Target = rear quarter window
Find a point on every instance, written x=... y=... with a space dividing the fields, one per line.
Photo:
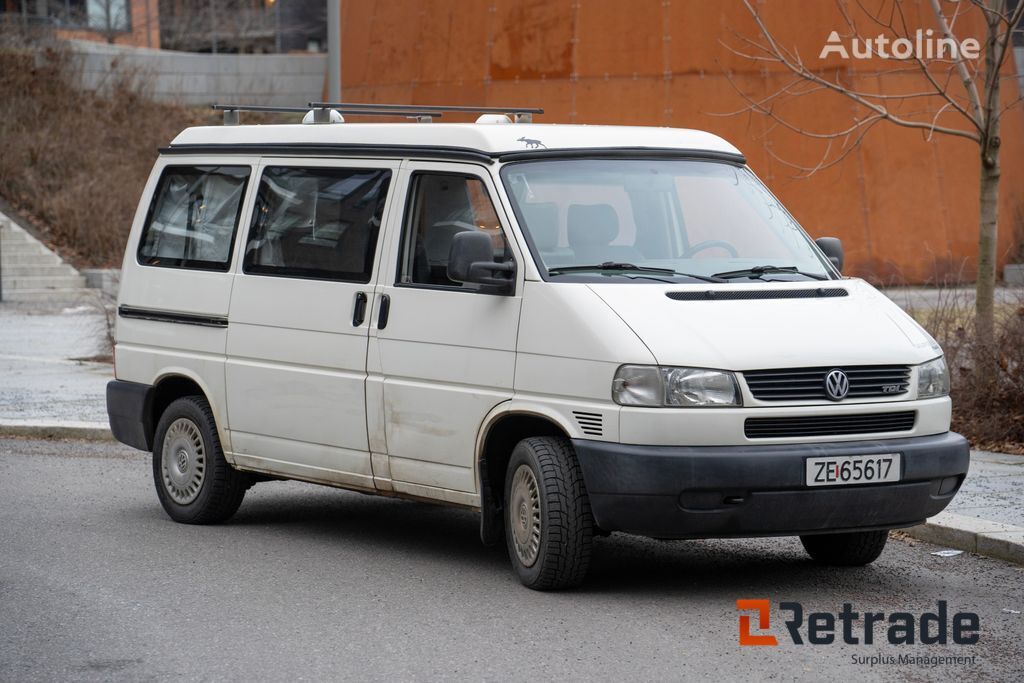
x=193 y=217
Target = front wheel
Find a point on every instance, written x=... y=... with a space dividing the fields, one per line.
x=848 y=550
x=549 y=528
x=194 y=482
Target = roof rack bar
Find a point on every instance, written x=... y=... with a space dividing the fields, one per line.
x=521 y=114
x=321 y=112
x=231 y=111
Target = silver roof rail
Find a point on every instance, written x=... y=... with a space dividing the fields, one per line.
x=322 y=113
x=424 y=111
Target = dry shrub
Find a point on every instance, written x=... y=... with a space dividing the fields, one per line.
x=75 y=162
x=988 y=407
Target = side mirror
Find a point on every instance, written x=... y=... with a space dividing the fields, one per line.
x=833 y=248
x=471 y=260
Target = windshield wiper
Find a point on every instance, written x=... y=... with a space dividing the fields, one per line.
x=617 y=266
x=758 y=271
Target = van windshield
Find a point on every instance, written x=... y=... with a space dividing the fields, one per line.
x=658 y=220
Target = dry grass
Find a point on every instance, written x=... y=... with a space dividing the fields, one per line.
x=988 y=411
x=76 y=162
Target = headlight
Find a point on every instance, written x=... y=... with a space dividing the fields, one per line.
x=654 y=386
x=933 y=378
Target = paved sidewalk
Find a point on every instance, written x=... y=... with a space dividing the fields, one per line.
x=920 y=298
x=46 y=390
x=43 y=377
x=994 y=489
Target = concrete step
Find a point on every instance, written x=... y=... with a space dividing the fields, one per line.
x=15 y=240
x=15 y=237
x=29 y=295
x=15 y=270
x=22 y=248
x=34 y=258
x=30 y=282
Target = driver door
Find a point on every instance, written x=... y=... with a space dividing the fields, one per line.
x=442 y=353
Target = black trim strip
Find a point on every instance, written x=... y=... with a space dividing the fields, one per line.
x=320 y=149
x=460 y=153
x=736 y=294
x=623 y=153
x=170 y=317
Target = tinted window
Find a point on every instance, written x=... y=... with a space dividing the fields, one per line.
x=317 y=223
x=443 y=206
x=192 y=219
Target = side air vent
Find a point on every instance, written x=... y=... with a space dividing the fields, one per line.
x=738 y=294
x=591 y=424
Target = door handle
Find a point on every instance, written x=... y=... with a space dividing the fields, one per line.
x=385 y=309
x=359 y=314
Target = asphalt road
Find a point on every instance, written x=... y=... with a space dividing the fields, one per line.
x=311 y=583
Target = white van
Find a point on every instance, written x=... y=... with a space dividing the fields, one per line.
x=572 y=330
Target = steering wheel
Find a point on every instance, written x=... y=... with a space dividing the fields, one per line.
x=710 y=244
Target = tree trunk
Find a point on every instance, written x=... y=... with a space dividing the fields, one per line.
x=987 y=240
x=988 y=228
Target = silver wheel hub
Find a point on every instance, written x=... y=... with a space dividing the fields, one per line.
x=525 y=516
x=184 y=461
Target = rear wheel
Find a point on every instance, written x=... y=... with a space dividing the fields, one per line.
x=194 y=482
x=851 y=550
x=548 y=524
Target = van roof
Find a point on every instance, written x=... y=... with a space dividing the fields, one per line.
x=482 y=139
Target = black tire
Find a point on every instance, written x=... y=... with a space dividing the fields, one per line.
x=846 y=550
x=563 y=535
x=200 y=487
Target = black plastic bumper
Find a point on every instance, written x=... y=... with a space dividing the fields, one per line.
x=128 y=409
x=723 y=491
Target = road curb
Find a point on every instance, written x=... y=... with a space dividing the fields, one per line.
x=981 y=536
x=88 y=432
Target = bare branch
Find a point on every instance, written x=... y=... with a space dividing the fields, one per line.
x=965 y=78
x=795 y=66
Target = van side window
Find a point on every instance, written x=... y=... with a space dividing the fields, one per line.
x=192 y=220
x=317 y=223
x=441 y=206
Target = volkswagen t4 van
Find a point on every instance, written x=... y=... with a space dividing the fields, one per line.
x=573 y=330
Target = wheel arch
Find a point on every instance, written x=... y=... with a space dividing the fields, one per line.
x=505 y=427
x=172 y=384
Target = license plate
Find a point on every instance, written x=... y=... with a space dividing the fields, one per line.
x=853 y=469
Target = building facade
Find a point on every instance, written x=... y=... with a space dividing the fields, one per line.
x=904 y=203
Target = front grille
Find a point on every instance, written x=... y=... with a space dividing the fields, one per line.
x=828 y=425
x=798 y=384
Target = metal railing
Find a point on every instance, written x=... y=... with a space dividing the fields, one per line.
x=419 y=112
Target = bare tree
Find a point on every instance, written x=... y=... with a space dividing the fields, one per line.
x=109 y=18
x=956 y=93
x=243 y=26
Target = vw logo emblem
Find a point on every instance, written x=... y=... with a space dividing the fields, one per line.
x=837 y=385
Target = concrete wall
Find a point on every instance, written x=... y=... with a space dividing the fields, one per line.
x=199 y=79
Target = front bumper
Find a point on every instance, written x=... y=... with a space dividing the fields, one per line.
x=742 y=491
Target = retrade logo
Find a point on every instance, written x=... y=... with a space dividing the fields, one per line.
x=763 y=622
x=856 y=628
x=837 y=385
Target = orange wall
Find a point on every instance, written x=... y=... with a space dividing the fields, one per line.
x=145 y=27
x=905 y=207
